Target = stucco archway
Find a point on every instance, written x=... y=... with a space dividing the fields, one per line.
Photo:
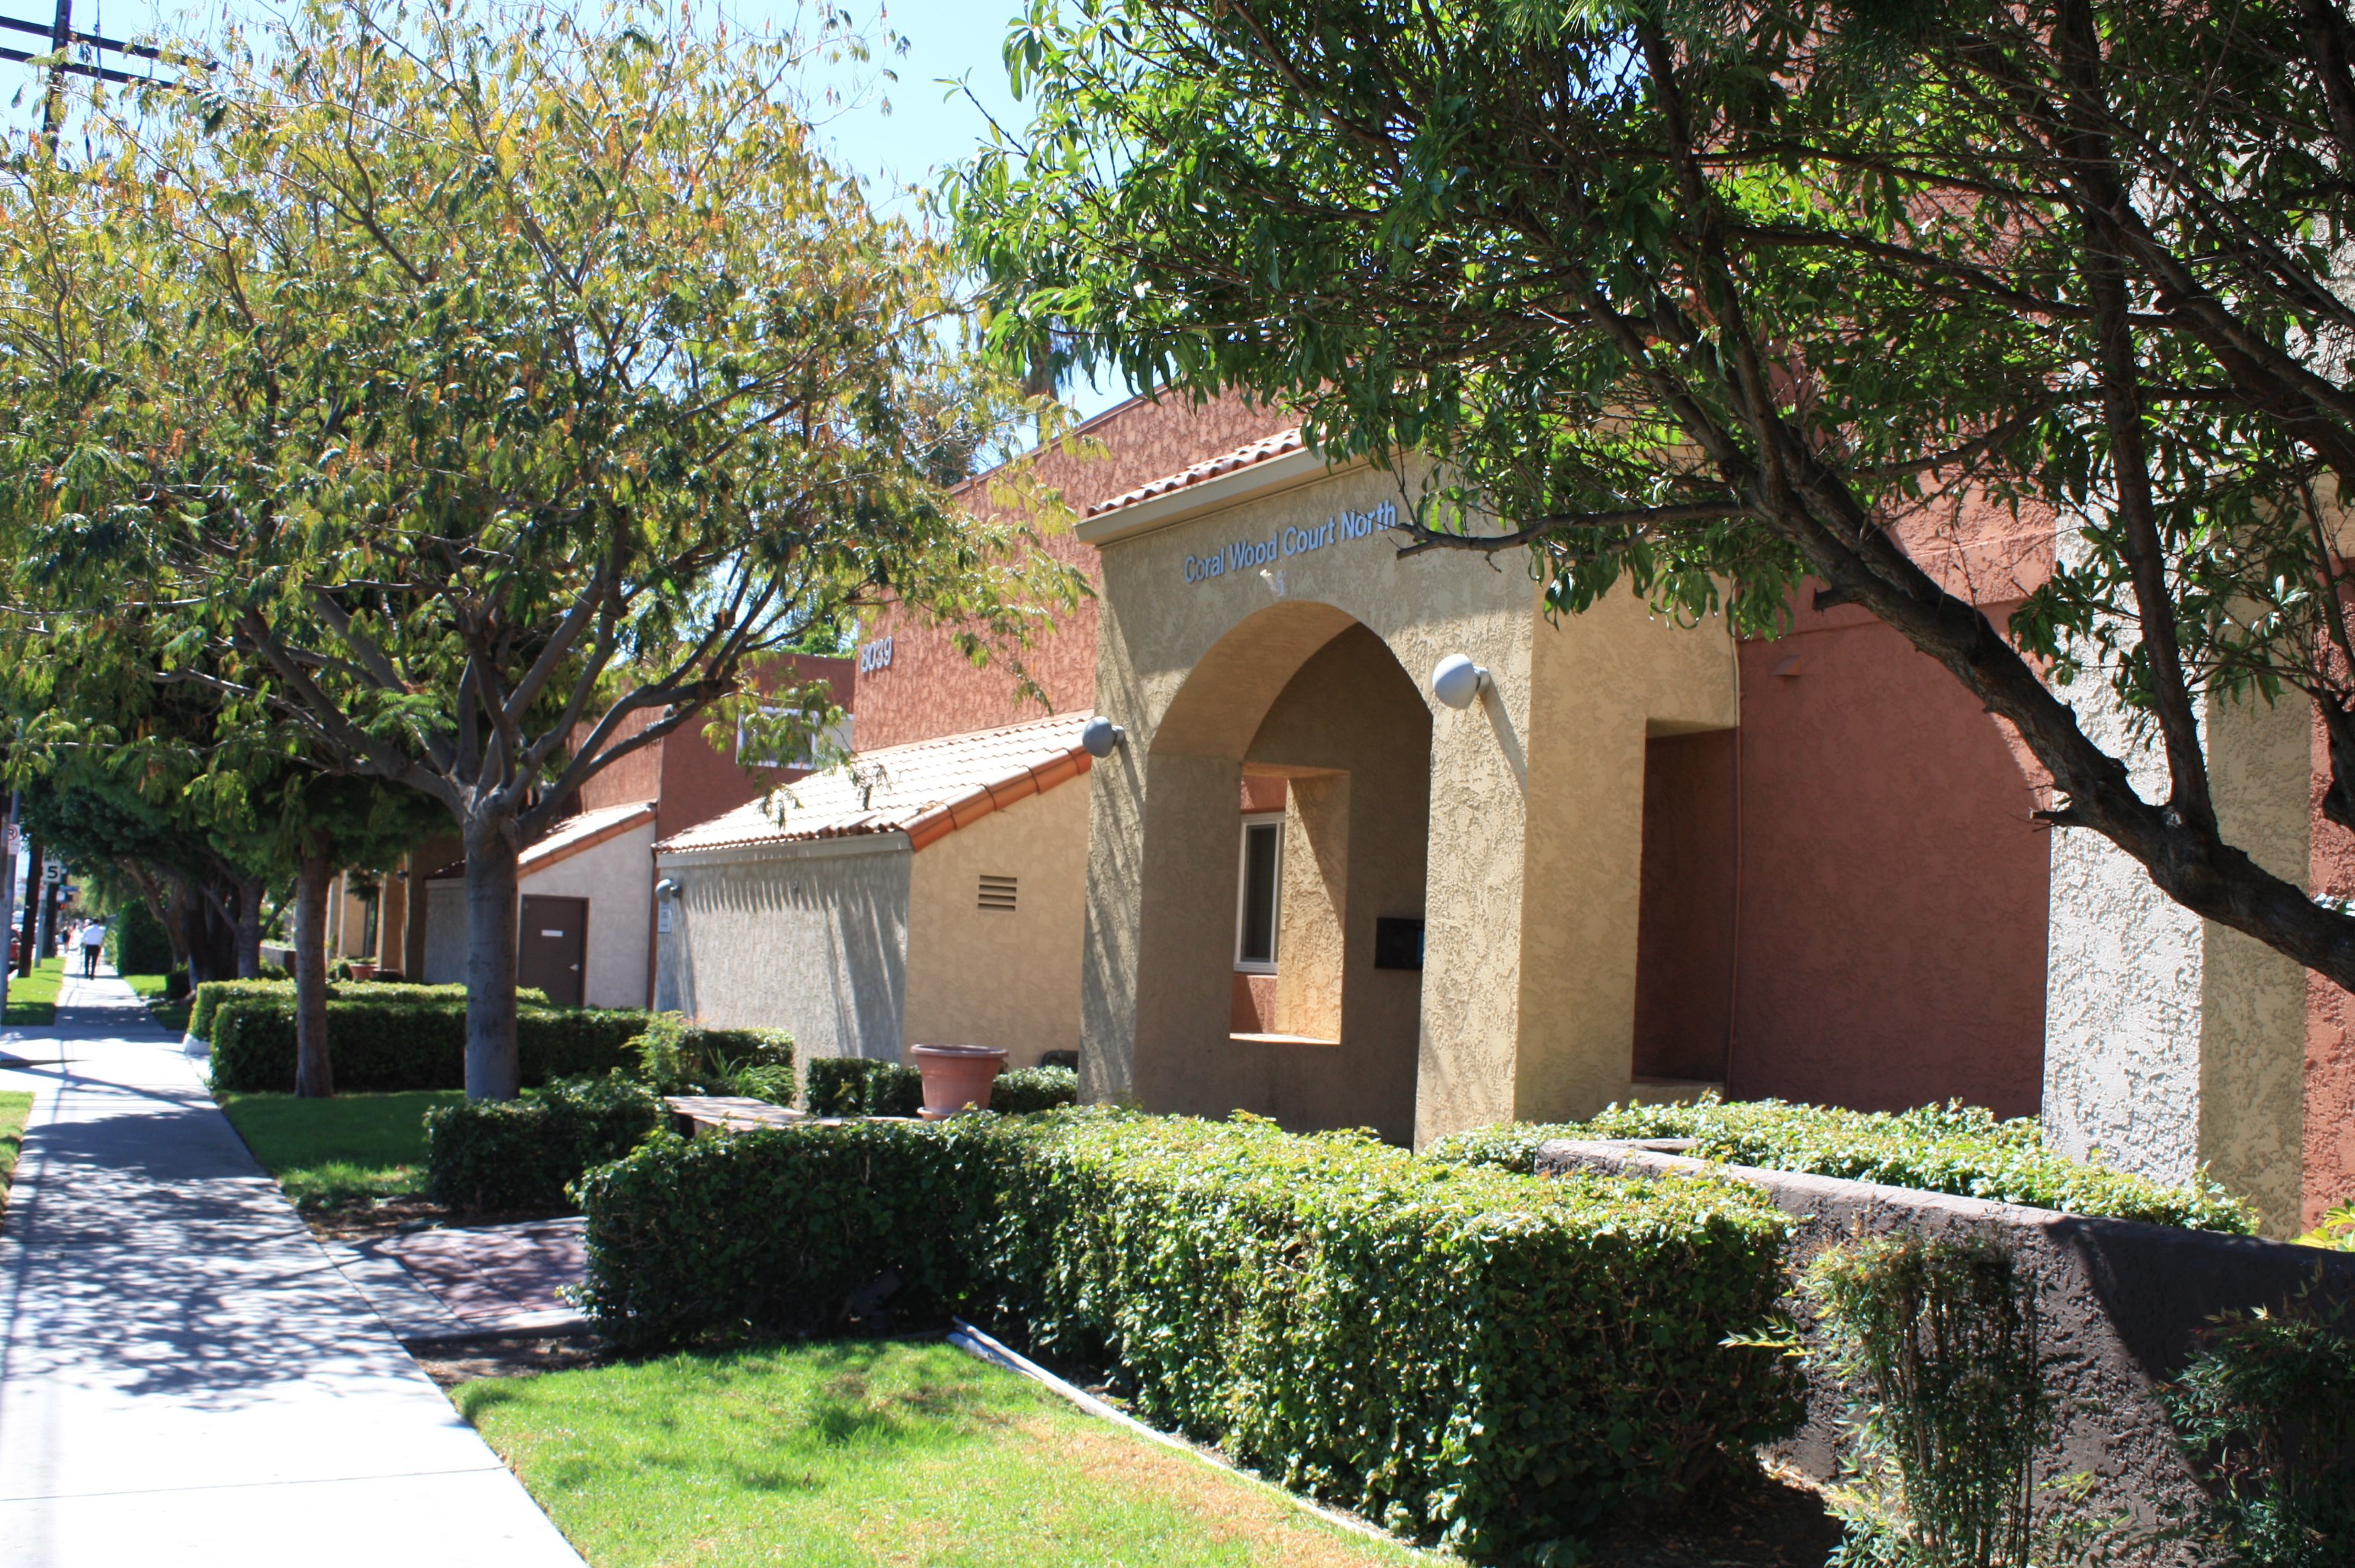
x=1319 y=713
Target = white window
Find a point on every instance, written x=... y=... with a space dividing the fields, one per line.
x=1259 y=893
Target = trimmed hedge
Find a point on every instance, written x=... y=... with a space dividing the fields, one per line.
x=854 y=1086
x=1955 y=1149
x=136 y=943
x=408 y=1044
x=1028 y=1089
x=524 y=1152
x=1470 y=1356
x=213 y=993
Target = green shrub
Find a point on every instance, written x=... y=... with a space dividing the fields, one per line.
x=524 y=1153
x=175 y=985
x=854 y=1086
x=1467 y=1355
x=1959 y=1149
x=212 y=993
x=2268 y=1401
x=136 y=943
x=1028 y=1089
x=1939 y=1345
x=677 y=1057
x=381 y=1041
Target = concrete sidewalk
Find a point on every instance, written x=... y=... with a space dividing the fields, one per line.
x=185 y=1379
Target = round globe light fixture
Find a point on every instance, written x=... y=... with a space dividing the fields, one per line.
x=1457 y=681
x=1100 y=736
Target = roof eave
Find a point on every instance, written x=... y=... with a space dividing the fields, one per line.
x=1284 y=472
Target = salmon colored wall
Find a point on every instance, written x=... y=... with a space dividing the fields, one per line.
x=930 y=688
x=2329 y=1022
x=1893 y=883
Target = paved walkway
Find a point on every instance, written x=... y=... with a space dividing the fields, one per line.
x=184 y=1377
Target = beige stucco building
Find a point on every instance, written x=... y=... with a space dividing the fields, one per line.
x=1259 y=623
x=585 y=914
x=924 y=894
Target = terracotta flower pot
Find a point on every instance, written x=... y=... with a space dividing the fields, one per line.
x=363 y=971
x=956 y=1076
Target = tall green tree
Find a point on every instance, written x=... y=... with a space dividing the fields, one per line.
x=1719 y=299
x=461 y=387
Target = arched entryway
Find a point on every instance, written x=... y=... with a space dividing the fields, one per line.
x=1284 y=860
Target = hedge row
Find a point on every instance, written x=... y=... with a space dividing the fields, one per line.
x=1029 y=1089
x=408 y=1043
x=213 y=993
x=675 y=1056
x=1470 y=1356
x=854 y=1086
x=524 y=1153
x=1955 y=1149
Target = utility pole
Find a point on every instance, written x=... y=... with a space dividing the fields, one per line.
x=59 y=31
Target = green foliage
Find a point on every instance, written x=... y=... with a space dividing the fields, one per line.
x=1955 y=1149
x=135 y=941
x=1028 y=1089
x=406 y=1043
x=854 y=1086
x=2268 y=1401
x=280 y=990
x=2336 y=1232
x=330 y=1153
x=175 y=985
x=524 y=1152
x=1940 y=1346
x=677 y=1057
x=1467 y=1355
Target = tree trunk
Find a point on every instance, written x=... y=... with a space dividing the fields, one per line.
x=249 y=930
x=207 y=931
x=27 y=955
x=493 y=1070
x=313 y=1075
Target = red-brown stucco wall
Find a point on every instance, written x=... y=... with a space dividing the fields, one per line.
x=1892 y=887
x=2329 y=1019
x=932 y=688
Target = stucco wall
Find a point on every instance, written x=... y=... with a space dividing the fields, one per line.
x=812 y=938
x=1531 y=890
x=2172 y=1042
x=931 y=688
x=617 y=879
x=1007 y=979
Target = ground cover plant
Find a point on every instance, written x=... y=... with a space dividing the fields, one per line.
x=862 y=1453
x=33 y=998
x=1465 y=1355
x=1960 y=1149
x=15 y=1107
x=340 y=1152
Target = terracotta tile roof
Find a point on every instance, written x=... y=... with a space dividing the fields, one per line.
x=926 y=789
x=1243 y=456
x=569 y=838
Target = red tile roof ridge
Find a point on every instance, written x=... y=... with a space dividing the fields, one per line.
x=1244 y=456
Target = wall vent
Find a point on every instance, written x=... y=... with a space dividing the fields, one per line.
x=997 y=892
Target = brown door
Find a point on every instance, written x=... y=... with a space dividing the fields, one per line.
x=555 y=944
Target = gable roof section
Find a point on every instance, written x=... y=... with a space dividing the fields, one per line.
x=567 y=838
x=1248 y=455
x=926 y=789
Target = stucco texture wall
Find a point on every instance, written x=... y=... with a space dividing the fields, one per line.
x=811 y=938
x=617 y=879
x=931 y=688
x=1533 y=871
x=1009 y=979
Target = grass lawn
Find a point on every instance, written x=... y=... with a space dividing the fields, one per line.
x=173 y=1016
x=14 y=1108
x=870 y=1453
x=329 y=1152
x=33 y=1000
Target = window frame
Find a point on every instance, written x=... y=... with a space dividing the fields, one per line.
x=1259 y=819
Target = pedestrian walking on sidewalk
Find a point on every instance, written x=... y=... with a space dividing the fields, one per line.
x=93 y=938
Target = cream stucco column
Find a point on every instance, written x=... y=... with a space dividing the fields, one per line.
x=2171 y=1042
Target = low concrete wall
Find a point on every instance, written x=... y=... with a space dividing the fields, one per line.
x=2122 y=1302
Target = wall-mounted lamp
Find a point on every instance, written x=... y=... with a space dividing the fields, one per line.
x=668 y=888
x=1100 y=736
x=1457 y=681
